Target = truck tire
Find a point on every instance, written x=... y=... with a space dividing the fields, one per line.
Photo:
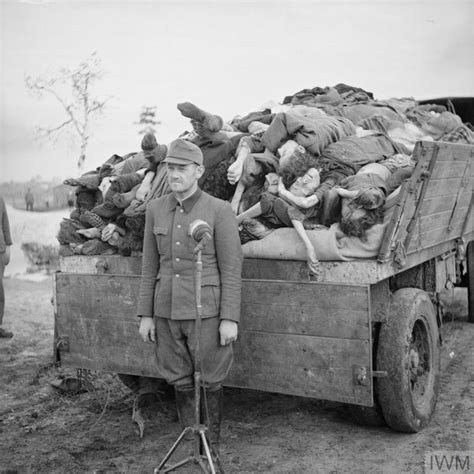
x=409 y=350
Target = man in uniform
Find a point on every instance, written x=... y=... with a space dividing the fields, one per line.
x=167 y=304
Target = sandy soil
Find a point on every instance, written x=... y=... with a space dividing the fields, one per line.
x=43 y=430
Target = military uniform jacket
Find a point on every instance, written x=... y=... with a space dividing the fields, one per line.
x=167 y=286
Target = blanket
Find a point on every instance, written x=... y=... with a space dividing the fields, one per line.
x=285 y=244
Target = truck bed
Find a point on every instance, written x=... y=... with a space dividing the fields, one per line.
x=299 y=335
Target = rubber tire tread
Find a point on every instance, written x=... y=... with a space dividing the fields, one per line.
x=407 y=306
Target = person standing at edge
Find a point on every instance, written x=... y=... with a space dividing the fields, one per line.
x=5 y=243
x=29 y=200
x=167 y=304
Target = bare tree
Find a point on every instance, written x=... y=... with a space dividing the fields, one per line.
x=147 y=120
x=73 y=89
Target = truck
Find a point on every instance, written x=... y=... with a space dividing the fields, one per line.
x=364 y=332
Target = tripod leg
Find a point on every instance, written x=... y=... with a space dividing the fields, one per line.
x=207 y=451
x=181 y=437
x=212 y=410
x=174 y=466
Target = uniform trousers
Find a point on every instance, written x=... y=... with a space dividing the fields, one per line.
x=175 y=352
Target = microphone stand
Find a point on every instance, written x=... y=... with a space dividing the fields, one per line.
x=199 y=430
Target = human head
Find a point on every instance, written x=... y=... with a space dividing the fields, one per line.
x=356 y=221
x=370 y=198
x=296 y=165
x=306 y=184
x=148 y=144
x=287 y=150
x=183 y=152
x=184 y=161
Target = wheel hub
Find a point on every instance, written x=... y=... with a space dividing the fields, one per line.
x=419 y=362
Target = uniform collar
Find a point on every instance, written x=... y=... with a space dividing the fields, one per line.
x=188 y=203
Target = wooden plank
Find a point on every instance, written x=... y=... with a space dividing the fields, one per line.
x=380 y=301
x=111 y=297
x=440 y=220
x=431 y=231
x=302 y=365
x=445 y=181
x=444 y=187
x=101 y=330
x=436 y=213
x=449 y=169
x=266 y=269
x=340 y=311
x=410 y=191
x=451 y=152
x=99 y=264
x=359 y=272
x=437 y=204
x=103 y=335
x=326 y=296
x=301 y=308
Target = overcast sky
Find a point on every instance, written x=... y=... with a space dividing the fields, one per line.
x=226 y=57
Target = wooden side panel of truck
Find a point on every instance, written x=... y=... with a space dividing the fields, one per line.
x=300 y=335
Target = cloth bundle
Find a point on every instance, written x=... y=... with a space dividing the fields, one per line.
x=341 y=129
x=358 y=152
x=314 y=133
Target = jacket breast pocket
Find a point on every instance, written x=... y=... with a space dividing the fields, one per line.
x=161 y=236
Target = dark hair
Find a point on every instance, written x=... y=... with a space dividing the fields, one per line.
x=367 y=199
x=359 y=227
x=297 y=166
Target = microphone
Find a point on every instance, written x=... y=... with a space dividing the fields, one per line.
x=201 y=232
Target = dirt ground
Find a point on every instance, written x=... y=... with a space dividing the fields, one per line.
x=43 y=430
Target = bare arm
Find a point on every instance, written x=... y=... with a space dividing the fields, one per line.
x=298 y=201
x=313 y=262
x=254 y=211
x=345 y=193
x=145 y=186
x=237 y=197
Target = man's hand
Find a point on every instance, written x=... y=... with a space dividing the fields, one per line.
x=6 y=256
x=228 y=331
x=147 y=329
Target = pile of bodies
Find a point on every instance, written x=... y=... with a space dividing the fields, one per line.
x=324 y=157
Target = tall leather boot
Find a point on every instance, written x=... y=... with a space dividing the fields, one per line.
x=185 y=406
x=215 y=406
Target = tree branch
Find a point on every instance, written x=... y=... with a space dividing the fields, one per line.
x=49 y=131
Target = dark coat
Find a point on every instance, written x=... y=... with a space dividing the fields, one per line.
x=168 y=271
